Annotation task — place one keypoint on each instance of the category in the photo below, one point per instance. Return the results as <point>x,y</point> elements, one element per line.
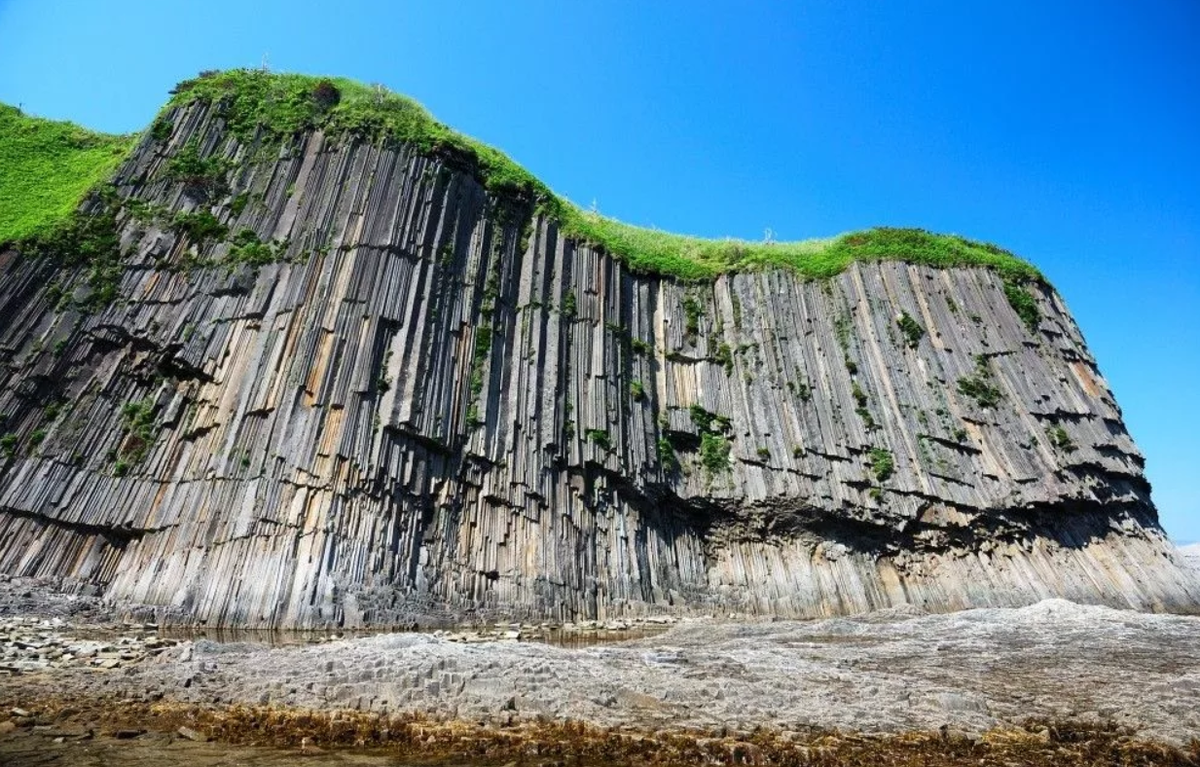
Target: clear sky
<point>1068,132</point>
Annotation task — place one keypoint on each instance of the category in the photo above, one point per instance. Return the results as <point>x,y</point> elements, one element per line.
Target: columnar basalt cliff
<point>331,380</point>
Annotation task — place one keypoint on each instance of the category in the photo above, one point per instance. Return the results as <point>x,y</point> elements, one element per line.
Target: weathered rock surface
<point>431,407</point>
<point>897,670</point>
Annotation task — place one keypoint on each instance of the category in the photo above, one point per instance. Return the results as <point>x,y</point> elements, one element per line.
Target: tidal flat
<point>1051,683</point>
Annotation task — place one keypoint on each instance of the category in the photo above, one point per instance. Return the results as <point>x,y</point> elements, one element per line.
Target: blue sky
<point>1069,134</point>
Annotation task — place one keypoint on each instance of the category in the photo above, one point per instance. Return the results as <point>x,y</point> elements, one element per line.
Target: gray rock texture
<point>431,407</point>
<point>895,670</point>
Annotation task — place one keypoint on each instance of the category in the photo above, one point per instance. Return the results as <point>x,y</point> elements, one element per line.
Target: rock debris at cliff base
<point>385,396</point>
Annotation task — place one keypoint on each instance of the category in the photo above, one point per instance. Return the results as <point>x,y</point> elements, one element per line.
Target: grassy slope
<point>46,167</point>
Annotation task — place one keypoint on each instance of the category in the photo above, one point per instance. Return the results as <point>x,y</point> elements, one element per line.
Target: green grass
<point>284,104</point>
<point>46,168</point>
<point>882,464</point>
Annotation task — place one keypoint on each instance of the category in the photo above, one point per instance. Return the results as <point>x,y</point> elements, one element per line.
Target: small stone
<point>190,734</point>
<point>20,712</point>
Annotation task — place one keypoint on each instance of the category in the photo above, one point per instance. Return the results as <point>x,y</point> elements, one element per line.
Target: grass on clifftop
<point>46,167</point>
<point>284,104</point>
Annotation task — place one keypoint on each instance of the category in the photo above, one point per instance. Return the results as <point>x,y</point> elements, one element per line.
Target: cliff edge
<point>343,370</point>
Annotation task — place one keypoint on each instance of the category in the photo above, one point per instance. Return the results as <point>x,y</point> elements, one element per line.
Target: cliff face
<point>405,399</point>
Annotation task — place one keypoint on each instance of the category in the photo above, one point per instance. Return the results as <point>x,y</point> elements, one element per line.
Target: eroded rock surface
<point>892,671</point>
<point>403,399</point>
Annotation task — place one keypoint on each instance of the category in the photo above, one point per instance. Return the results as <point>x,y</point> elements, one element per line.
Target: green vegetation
<point>724,356</point>
<point>199,226</point>
<point>692,312</point>
<point>202,177</point>
<point>246,248</point>
<point>161,128</point>
<point>1024,304</point>
<point>1059,438</point>
<point>800,388</point>
<point>764,453</point>
<point>474,421</point>
<point>706,421</point>
<point>637,391</point>
<point>138,420</point>
<point>238,203</point>
<point>483,346</point>
<point>46,169</point>
<point>714,452</point>
<point>285,104</point>
<point>89,240</point>
<point>569,305</point>
<point>666,455</point>
<point>911,328</point>
<point>714,446</point>
<point>860,397</point>
<point>882,463</point>
<point>8,445</point>
<point>979,386</point>
<point>599,438</point>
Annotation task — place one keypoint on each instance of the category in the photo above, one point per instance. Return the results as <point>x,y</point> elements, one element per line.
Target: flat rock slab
<point>896,670</point>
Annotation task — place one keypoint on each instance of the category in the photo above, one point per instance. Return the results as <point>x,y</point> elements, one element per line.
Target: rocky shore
<point>1027,674</point>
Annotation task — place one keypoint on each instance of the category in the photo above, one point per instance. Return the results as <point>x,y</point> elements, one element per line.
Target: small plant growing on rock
<point>637,391</point>
<point>692,312</point>
<point>1060,439</point>
<point>882,463</point>
<point>714,452</point>
<point>979,386</point>
<point>160,130</point>
<point>599,438</point>
<point>666,455</point>
<point>641,347</point>
<point>198,226</point>
<point>1023,304</point>
<point>911,328</point>
<point>724,356</point>
<point>202,177</point>
<point>138,420</point>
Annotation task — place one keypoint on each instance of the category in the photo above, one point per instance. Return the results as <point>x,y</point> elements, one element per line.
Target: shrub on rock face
<point>326,95</point>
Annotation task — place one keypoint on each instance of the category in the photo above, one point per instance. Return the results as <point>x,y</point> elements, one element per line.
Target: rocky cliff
<point>323,379</point>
